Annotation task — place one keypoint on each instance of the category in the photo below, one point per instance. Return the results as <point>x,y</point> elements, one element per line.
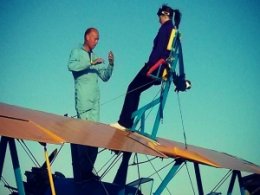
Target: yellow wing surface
<point>24,123</point>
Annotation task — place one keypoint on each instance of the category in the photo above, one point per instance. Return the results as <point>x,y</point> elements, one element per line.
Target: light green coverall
<point>87,97</point>
<point>87,94</point>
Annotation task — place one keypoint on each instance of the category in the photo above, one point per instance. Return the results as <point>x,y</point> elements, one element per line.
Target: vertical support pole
<point>121,175</point>
<point>180,57</point>
<point>143,123</point>
<point>53,192</point>
<point>75,162</point>
<point>241,185</point>
<point>161,106</point>
<point>3,147</point>
<point>169,176</point>
<point>16,167</point>
<point>198,178</point>
<point>232,182</point>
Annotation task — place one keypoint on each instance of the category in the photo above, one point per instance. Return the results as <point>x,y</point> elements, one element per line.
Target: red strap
<point>155,66</point>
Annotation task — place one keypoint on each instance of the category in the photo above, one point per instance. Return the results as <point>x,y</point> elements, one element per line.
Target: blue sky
<point>221,49</point>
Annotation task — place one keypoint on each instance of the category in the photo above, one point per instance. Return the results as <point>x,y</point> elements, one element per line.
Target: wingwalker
<point>166,73</point>
<point>165,70</point>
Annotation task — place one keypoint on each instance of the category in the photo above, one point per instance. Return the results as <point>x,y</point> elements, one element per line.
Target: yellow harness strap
<point>172,36</point>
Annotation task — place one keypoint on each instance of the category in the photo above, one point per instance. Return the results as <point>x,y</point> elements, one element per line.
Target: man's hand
<point>97,61</point>
<point>111,58</point>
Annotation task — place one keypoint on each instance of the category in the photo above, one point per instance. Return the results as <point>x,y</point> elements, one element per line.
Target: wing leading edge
<point>23,123</point>
<point>206,156</point>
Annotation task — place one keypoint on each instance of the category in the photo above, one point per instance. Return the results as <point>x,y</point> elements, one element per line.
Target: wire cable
<point>157,172</point>
<point>220,183</point>
<point>134,163</point>
<point>57,154</point>
<point>28,152</point>
<point>124,94</point>
<point>115,98</point>
<point>183,128</point>
<point>192,187</point>
<point>6,184</point>
<point>115,160</point>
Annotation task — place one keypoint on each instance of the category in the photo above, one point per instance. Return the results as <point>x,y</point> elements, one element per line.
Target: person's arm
<point>160,47</point>
<point>77,62</point>
<point>105,73</point>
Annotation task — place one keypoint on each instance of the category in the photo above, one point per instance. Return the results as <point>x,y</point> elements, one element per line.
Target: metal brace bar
<point>3,146</point>
<point>169,177</point>
<point>15,161</point>
<point>198,178</point>
<point>241,185</point>
<point>232,182</point>
<point>161,106</point>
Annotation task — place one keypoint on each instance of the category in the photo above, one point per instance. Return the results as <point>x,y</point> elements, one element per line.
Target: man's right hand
<point>97,61</point>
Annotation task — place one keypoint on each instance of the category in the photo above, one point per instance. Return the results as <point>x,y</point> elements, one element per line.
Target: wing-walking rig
<point>27,124</point>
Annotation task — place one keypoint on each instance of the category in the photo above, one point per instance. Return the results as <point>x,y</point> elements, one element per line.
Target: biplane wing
<point>25,129</point>
<point>205,156</point>
<point>23,123</point>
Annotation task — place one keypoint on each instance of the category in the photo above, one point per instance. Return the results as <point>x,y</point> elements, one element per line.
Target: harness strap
<point>155,66</point>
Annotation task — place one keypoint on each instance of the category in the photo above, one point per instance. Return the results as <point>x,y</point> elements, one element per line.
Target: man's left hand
<point>111,58</point>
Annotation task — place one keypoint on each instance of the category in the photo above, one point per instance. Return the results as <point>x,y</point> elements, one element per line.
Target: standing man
<point>86,68</point>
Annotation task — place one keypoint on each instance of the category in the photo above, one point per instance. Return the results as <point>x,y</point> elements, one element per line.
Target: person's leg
<point>85,156</point>
<point>86,159</point>
<point>88,154</point>
<point>75,162</point>
<point>139,84</point>
<point>82,161</point>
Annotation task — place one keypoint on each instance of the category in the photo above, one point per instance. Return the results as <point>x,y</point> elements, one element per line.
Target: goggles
<point>163,12</point>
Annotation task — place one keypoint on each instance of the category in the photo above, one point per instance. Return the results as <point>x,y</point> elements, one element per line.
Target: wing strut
<point>49,170</point>
<point>198,178</point>
<point>232,182</point>
<point>16,166</point>
<point>169,176</point>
